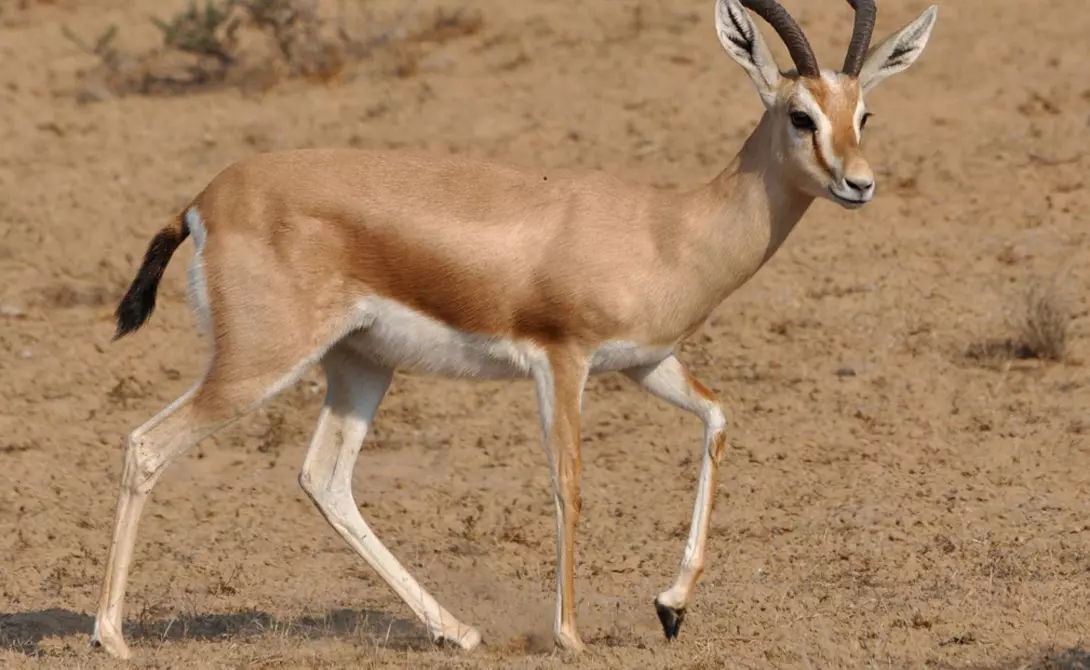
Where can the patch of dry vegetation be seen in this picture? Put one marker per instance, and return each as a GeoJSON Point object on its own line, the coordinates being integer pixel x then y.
{"type": "Point", "coordinates": [253, 44]}
{"type": "Point", "coordinates": [1046, 321]}
{"type": "Point", "coordinates": [1040, 328]}
{"type": "Point", "coordinates": [204, 46]}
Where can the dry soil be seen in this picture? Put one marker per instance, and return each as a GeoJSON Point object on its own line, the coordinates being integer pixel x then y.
{"type": "Point", "coordinates": [886, 500]}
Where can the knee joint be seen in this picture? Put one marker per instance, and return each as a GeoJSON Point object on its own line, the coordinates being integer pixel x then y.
{"type": "Point", "coordinates": [140, 468]}
{"type": "Point", "coordinates": [312, 485]}
{"type": "Point", "coordinates": [716, 422]}
{"type": "Point", "coordinates": [715, 419]}
{"type": "Point", "coordinates": [324, 493]}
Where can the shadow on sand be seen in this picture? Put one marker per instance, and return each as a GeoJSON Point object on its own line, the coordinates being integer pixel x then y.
{"type": "Point", "coordinates": [23, 631]}
{"type": "Point", "coordinates": [1075, 658]}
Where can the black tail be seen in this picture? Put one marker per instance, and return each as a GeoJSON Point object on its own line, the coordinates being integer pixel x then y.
{"type": "Point", "coordinates": [139, 301]}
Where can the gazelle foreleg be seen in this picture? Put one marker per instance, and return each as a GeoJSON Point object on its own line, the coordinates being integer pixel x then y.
{"type": "Point", "coordinates": [670, 381]}
{"type": "Point", "coordinates": [559, 382]}
{"type": "Point", "coordinates": [355, 389]}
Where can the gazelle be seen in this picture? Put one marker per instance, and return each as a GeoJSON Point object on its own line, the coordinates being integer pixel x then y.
{"type": "Point", "coordinates": [367, 262]}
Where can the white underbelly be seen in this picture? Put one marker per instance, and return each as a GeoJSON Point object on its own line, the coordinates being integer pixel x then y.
{"type": "Point", "coordinates": [395, 336]}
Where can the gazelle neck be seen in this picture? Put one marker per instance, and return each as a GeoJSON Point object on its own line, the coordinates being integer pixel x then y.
{"type": "Point", "coordinates": [747, 211]}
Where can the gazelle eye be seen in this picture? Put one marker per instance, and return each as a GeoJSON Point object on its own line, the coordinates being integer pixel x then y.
{"type": "Point", "coordinates": [863, 121]}
{"type": "Point", "coordinates": [802, 121]}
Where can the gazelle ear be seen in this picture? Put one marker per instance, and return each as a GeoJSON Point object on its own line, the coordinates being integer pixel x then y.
{"type": "Point", "coordinates": [739, 36]}
{"type": "Point", "coordinates": [898, 51]}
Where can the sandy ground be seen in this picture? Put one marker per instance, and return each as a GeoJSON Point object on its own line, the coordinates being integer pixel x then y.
{"type": "Point", "coordinates": [886, 502]}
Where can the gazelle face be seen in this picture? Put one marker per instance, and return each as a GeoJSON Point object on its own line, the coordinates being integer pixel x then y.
{"type": "Point", "coordinates": [818, 124]}
{"type": "Point", "coordinates": [818, 115]}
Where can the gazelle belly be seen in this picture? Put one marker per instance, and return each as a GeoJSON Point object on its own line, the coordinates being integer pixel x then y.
{"type": "Point", "coordinates": [395, 336]}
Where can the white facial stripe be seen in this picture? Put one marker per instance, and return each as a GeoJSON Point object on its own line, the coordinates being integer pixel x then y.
{"type": "Point", "coordinates": [860, 110]}
{"type": "Point", "coordinates": [834, 84]}
{"type": "Point", "coordinates": [808, 104]}
{"type": "Point", "coordinates": [832, 79]}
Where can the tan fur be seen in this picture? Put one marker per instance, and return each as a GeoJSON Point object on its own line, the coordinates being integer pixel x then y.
{"type": "Point", "coordinates": [556, 257]}
{"type": "Point", "coordinates": [839, 104]}
{"type": "Point", "coordinates": [562, 259]}
{"type": "Point", "coordinates": [699, 388]}
{"type": "Point", "coordinates": [569, 370]}
{"type": "Point", "coordinates": [298, 249]}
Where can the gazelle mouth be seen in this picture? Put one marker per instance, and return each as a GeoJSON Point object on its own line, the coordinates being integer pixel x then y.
{"type": "Point", "coordinates": [850, 203]}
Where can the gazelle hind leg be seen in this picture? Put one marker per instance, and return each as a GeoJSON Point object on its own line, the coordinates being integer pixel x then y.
{"type": "Point", "coordinates": [355, 390]}
{"type": "Point", "coordinates": [220, 399]}
{"type": "Point", "coordinates": [148, 450]}
{"type": "Point", "coordinates": [670, 381]}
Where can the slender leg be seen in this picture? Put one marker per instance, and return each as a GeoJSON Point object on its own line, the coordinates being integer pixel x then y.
{"type": "Point", "coordinates": [560, 391]}
{"type": "Point", "coordinates": [670, 381]}
{"type": "Point", "coordinates": [355, 390]}
{"type": "Point", "coordinates": [148, 451]}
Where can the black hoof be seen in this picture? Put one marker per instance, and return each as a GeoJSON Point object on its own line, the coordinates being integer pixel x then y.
{"type": "Point", "coordinates": [442, 642]}
{"type": "Point", "coordinates": [445, 643]}
{"type": "Point", "coordinates": [95, 644]}
{"type": "Point", "coordinates": [670, 618]}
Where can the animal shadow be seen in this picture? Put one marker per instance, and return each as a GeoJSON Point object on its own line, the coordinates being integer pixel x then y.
{"type": "Point", "coordinates": [23, 632]}
{"type": "Point", "coordinates": [1074, 658]}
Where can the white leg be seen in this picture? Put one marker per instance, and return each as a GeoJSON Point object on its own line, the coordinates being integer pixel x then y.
{"type": "Point", "coordinates": [560, 384]}
{"type": "Point", "coordinates": [355, 390]}
{"type": "Point", "coordinates": [149, 449]}
{"type": "Point", "coordinates": [670, 381]}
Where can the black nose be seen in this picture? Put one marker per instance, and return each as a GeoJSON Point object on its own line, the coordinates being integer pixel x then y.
{"type": "Point", "coordinates": [860, 185]}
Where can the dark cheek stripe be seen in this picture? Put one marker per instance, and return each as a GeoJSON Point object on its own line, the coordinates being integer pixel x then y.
{"type": "Point", "coordinates": [820, 156]}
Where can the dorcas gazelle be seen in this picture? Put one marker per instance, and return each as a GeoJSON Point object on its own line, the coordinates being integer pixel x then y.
{"type": "Point", "coordinates": [366, 262]}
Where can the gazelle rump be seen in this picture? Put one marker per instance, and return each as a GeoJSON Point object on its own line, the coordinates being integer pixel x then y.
{"type": "Point", "coordinates": [366, 262]}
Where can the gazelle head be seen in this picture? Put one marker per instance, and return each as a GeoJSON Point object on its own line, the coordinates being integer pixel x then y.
{"type": "Point", "coordinates": [817, 116]}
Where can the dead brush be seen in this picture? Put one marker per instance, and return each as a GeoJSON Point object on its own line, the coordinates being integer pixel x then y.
{"type": "Point", "coordinates": [1046, 321]}
{"type": "Point", "coordinates": [209, 45]}
{"type": "Point", "coordinates": [446, 25]}
{"type": "Point", "coordinates": [1041, 327]}
{"type": "Point", "coordinates": [208, 42]}
{"type": "Point", "coordinates": [210, 33]}
{"type": "Point", "coordinates": [103, 46]}
{"type": "Point", "coordinates": [295, 28]}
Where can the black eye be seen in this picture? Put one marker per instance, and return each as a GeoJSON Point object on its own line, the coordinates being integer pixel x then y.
{"type": "Point", "coordinates": [863, 121]}
{"type": "Point", "coordinates": [802, 121]}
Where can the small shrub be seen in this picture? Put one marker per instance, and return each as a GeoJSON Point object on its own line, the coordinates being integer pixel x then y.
{"type": "Point", "coordinates": [294, 27]}
{"type": "Point", "coordinates": [103, 47]}
{"type": "Point", "coordinates": [205, 42]}
{"type": "Point", "coordinates": [1040, 328]}
{"type": "Point", "coordinates": [206, 45]}
{"type": "Point", "coordinates": [210, 33]}
{"type": "Point", "coordinates": [1045, 321]}
{"type": "Point", "coordinates": [446, 25]}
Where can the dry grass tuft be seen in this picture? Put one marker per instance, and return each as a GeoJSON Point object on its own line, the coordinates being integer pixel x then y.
{"type": "Point", "coordinates": [203, 45]}
{"type": "Point", "coordinates": [255, 44]}
{"type": "Point", "coordinates": [1045, 322]}
{"type": "Point", "coordinates": [1041, 328]}
{"type": "Point", "coordinates": [446, 25]}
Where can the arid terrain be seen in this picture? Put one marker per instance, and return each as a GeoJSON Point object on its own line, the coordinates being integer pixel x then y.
{"type": "Point", "coordinates": [907, 483]}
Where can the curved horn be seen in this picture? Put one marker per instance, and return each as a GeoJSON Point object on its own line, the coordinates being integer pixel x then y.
{"type": "Point", "coordinates": [865, 13]}
{"type": "Point", "coordinates": [790, 32]}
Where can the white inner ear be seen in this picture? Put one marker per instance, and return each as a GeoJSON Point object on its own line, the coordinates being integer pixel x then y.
{"type": "Point", "coordinates": [898, 51]}
{"type": "Point", "coordinates": [743, 42]}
